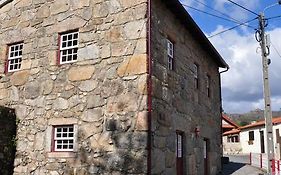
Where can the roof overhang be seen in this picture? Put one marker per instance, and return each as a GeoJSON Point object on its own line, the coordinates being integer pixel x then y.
{"type": "Point", "coordinates": [179, 11]}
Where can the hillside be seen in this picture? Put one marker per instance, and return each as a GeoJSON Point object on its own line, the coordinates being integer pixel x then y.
{"type": "Point", "coordinates": [247, 118]}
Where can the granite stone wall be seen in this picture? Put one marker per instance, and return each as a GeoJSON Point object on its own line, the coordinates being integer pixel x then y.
{"type": "Point", "coordinates": [177, 105]}
{"type": "Point", "coordinates": [103, 94]}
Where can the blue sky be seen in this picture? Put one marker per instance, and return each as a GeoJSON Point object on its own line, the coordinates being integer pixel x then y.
{"type": "Point", "coordinates": [242, 88]}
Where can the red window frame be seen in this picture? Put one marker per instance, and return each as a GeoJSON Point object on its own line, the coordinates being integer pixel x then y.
{"type": "Point", "coordinates": [6, 63]}
{"type": "Point", "coordinates": [206, 155]}
{"type": "Point", "coordinates": [179, 152]}
{"type": "Point", "coordinates": [53, 149]}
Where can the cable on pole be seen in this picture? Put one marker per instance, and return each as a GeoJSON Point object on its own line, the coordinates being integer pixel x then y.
{"type": "Point", "coordinates": [226, 15]}
{"type": "Point", "coordinates": [274, 17]}
{"type": "Point", "coordinates": [235, 3]}
{"type": "Point", "coordinates": [232, 28]}
{"type": "Point", "coordinates": [276, 50]}
{"type": "Point", "coordinates": [229, 20]}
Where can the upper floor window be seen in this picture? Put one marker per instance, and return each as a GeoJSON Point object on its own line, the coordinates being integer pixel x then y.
{"type": "Point", "coordinates": [195, 75]}
{"type": "Point", "coordinates": [68, 47]}
{"type": "Point", "coordinates": [170, 53]}
{"type": "Point", "coordinates": [15, 57]}
{"type": "Point", "coordinates": [63, 138]}
{"type": "Point", "coordinates": [208, 79]}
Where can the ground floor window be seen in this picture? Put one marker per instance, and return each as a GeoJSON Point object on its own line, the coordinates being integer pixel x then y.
{"type": "Point", "coordinates": [63, 139]}
{"type": "Point", "coordinates": [179, 152]}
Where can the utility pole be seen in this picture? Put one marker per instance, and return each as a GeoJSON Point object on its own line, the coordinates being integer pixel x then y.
{"type": "Point", "coordinates": [266, 91]}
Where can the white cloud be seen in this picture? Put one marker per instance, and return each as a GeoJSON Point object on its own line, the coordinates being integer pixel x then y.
{"type": "Point", "coordinates": [235, 11]}
{"type": "Point", "coordinates": [242, 87]}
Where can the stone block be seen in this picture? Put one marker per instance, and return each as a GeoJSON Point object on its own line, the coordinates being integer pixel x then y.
{"type": "Point", "coordinates": [142, 121]}
{"type": "Point", "coordinates": [88, 85]}
{"type": "Point", "coordinates": [158, 163]}
{"type": "Point", "coordinates": [60, 104]}
{"type": "Point", "coordinates": [92, 115]}
{"type": "Point", "coordinates": [94, 101]}
{"type": "Point", "coordinates": [19, 78]}
{"type": "Point", "coordinates": [80, 73]}
{"type": "Point", "coordinates": [88, 52]}
{"type": "Point", "coordinates": [133, 66]}
{"type": "Point", "coordinates": [59, 6]}
{"type": "Point", "coordinates": [43, 12]}
{"type": "Point", "coordinates": [32, 90]}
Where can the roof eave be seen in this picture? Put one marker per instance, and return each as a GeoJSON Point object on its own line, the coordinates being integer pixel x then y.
{"type": "Point", "coordinates": [176, 7]}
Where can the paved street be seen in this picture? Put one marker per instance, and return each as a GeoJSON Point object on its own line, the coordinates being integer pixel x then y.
{"type": "Point", "coordinates": [238, 166]}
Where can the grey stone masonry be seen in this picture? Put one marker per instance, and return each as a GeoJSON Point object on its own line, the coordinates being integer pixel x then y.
{"type": "Point", "coordinates": [177, 105]}
{"type": "Point", "coordinates": [104, 102]}
{"type": "Point", "coordinates": [103, 94]}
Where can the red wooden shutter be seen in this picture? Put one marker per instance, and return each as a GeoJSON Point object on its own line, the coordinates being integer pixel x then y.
{"type": "Point", "coordinates": [6, 64]}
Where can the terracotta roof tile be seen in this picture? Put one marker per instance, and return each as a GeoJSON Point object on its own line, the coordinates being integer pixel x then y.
{"type": "Point", "coordinates": [233, 131]}
{"type": "Point", "coordinates": [228, 120]}
{"type": "Point", "coordinates": [275, 121]}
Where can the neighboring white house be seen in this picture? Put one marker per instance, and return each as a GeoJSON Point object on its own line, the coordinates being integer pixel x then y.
{"type": "Point", "coordinates": [253, 137]}
{"type": "Point", "coordinates": [230, 136]}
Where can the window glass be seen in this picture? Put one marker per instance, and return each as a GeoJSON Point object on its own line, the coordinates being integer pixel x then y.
{"type": "Point", "coordinates": [15, 57]}
{"type": "Point", "coordinates": [68, 47]}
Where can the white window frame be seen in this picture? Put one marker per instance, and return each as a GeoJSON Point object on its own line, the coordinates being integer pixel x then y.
{"type": "Point", "coordinates": [71, 48]}
{"type": "Point", "coordinates": [67, 138]}
{"type": "Point", "coordinates": [170, 53]}
{"type": "Point", "coordinates": [195, 75]}
{"type": "Point", "coordinates": [13, 58]}
{"type": "Point", "coordinates": [179, 143]}
{"type": "Point", "coordinates": [208, 79]}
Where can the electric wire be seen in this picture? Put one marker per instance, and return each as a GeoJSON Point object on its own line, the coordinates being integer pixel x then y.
{"type": "Point", "coordinates": [276, 50]}
{"type": "Point", "coordinates": [235, 3]}
{"type": "Point", "coordinates": [198, 1]}
{"type": "Point", "coordinates": [232, 28]}
{"type": "Point", "coordinates": [274, 17]}
{"type": "Point", "coordinates": [229, 20]}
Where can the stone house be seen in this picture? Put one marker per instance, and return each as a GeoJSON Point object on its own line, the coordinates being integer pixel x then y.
{"type": "Point", "coordinates": [110, 87]}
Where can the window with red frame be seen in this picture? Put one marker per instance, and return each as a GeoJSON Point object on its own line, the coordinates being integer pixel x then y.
{"type": "Point", "coordinates": [63, 139]}
{"type": "Point", "coordinates": [14, 57]}
{"type": "Point", "coordinates": [179, 149]}
{"type": "Point", "coordinates": [68, 47]}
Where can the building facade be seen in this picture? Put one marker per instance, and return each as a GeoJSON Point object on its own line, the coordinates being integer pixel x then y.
{"type": "Point", "coordinates": [253, 137]}
{"type": "Point", "coordinates": [110, 87]}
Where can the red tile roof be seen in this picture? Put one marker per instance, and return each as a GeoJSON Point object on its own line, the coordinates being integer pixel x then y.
{"type": "Point", "coordinates": [227, 126]}
{"type": "Point", "coordinates": [233, 131]}
{"type": "Point", "coordinates": [275, 121]}
{"type": "Point", "coordinates": [228, 120]}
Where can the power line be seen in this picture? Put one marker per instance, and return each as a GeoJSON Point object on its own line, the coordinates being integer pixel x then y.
{"type": "Point", "coordinates": [229, 20]}
{"type": "Point", "coordinates": [243, 7]}
{"type": "Point", "coordinates": [274, 17]}
{"type": "Point", "coordinates": [232, 28]}
{"type": "Point", "coordinates": [278, 53]}
{"type": "Point", "coordinates": [217, 11]}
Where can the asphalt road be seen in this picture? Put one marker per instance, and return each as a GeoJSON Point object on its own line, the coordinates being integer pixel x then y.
{"type": "Point", "coordinates": [238, 165]}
